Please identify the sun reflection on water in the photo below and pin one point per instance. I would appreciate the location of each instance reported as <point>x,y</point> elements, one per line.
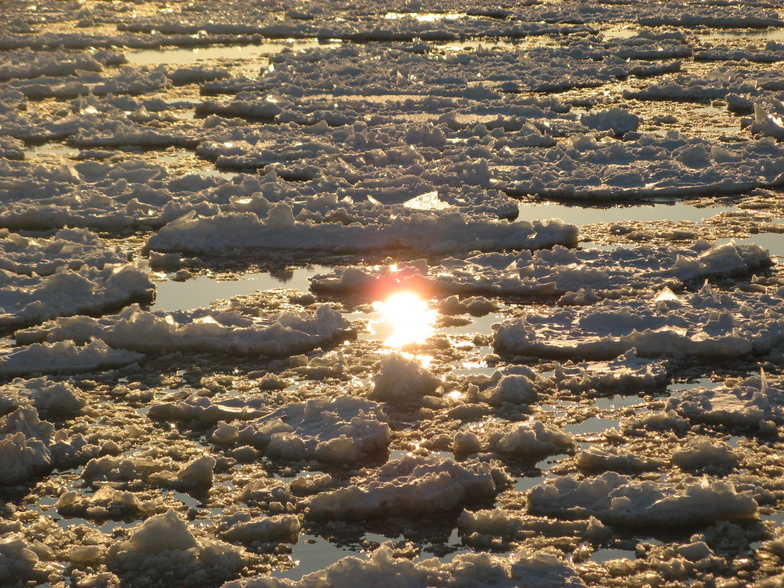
<point>405,319</point>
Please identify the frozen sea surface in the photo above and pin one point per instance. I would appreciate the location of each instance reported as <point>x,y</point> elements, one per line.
<point>391,294</point>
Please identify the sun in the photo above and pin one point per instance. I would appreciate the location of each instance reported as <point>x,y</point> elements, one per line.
<point>404,318</point>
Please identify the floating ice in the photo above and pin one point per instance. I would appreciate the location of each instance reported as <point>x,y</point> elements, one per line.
<point>48,397</point>
<point>707,324</point>
<point>404,133</point>
<point>602,459</point>
<point>411,486</point>
<point>627,373</point>
<point>542,568</point>
<point>239,233</point>
<point>705,455</point>
<point>754,403</point>
<point>18,561</point>
<point>201,330</point>
<point>577,276</point>
<point>617,120</point>
<point>33,299</point>
<point>198,409</point>
<point>529,440</point>
<point>401,380</point>
<point>673,166</point>
<point>618,500</point>
<point>106,502</point>
<point>503,523</point>
<point>344,430</point>
<point>164,546</point>
<point>24,450</point>
<point>30,447</point>
<point>73,248</point>
<point>64,357</point>
<point>243,528</point>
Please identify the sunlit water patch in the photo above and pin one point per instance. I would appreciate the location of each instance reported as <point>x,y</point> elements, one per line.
<point>773,242</point>
<point>525,483</point>
<point>426,16</point>
<point>617,402</point>
<point>202,290</point>
<point>608,553</point>
<point>775,517</point>
<point>190,55</point>
<point>404,318</point>
<point>49,152</point>
<point>770,34</point>
<point>592,426</point>
<point>311,554</point>
<point>586,215</point>
<point>678,388</point>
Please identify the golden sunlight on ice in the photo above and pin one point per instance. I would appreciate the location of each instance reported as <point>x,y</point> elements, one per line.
<point>405,318</point>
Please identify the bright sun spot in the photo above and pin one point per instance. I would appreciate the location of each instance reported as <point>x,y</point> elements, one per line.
<point>405,318</point>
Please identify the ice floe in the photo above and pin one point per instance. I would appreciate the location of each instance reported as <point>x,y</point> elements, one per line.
<point>708,324</point>
<point>89,290</point>
<point>410,486</point>
<point>577,276</point>
<point>542,568</point>
<point>238,234</point>
<point>344,430</point>
<point>164,546</point>
<point>752,403</point>
<point>526,441</point>
<point>617,500</point>
<point>202,330</point>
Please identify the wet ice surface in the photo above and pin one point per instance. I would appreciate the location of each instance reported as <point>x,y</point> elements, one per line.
<point>315,295</point>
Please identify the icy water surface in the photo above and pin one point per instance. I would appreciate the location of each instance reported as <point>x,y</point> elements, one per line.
<point>200,291</point>
<point>391,294</point>
<point>228,53</point>
<point>584,215</point>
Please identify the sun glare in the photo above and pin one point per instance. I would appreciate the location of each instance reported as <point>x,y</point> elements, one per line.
<point>405,318</point>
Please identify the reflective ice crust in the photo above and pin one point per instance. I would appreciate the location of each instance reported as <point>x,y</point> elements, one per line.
<point>391,294</point>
